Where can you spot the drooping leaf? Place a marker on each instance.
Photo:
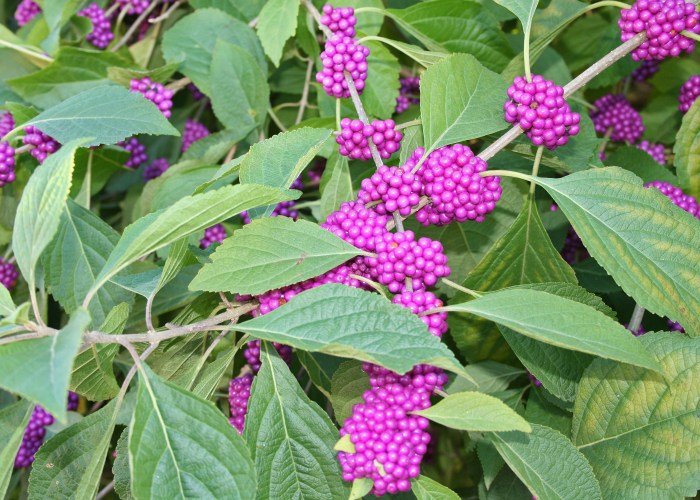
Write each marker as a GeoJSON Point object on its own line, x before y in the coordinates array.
{"type": "Point", "coordinates": [687, 151]}
{"type": "Point", "coordinates": [13, 422]}
{"type": "Point", "coordinates": [427, 489]}
{"type": "Point", "coordinates": [491, 461]}
{"type": "Point", "coordinates": [524, 9]}
{"type": "Point", "coordinates": [348, 384]}
{"type": "Point", "coordinates": [277, 22]}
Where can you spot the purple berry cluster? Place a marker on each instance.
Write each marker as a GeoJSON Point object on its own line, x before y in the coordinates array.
{"type": "Point", "coordinates": [342, 54]}
{"type": "Point", "coordinates": [418, 302]}
{"type": "Point", "coordinates": [690, 91]}
{"type": "Point", "coordinates": [251, 353]}
{"type": "Point", "coordinates": [7, 164]}
{"type": "Point", "coordinates": [44, 145]}
{"type": "Point", "coordinates": [340, 20]}
{"type": "Point", "coordinates": [193, 132]}
{"type": "Point", "coordinates": [212, 235]}
{"type": "Point", "coordinates": [26, 11]}
{"type": "Point", "coordinates": [101, 35]}
{"type": "Point", "coordinates": [137, 152]}
{"type": "Point", "coordinates": [615, 115]}
{"type": "Point", "coordinates": [7, 123]}
{"type": "Point", "coordinates": [391, 189]}
{"type": "Point", "coordinates": [8, 274]}
{"type": "Point", "coordinates": [238, 396]}
{"type": "Point", "coordinates": [197, 94]}
{"type": "Point", "coordinates": [656, 151]}
{"type": "Point", "coordinates": [154, 92]}
{"type": "Point", "coordinates": [678, 197]}
{"type": "Point", "coordinates": [645, 71]}
{"type": "Point", "coordinates": [662, 21]}
{"type": "Point", "coordinates": [409, 93]}
{"type": "Point", "coordinates": [135, 7]}
{"type": "Point", "coordinates": [354, 138]}
{"type": "Point", "coordinates": [156, 169]}
{"type": "Point", "coordinates": [541, 111]}
{"type": "Point", "coordinates": [357, 225]}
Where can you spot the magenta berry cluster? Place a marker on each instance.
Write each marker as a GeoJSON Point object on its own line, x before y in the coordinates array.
{"type": "Point", "coordinates": [7, 123]}
{"type": "Point", "coordinates": [662, 21]}
{"type": "Point", "coordinates": [238, 397]}
{"type": "Point", "coordinates": [539, 108]}
{"type": "Point", "coordinates": [677, 196]}
{"type": "Point", "coordinates": [193, 132]}
{"type": "Point", "coordinates": [645, 71]}
{"type": "Point", "coordinates": [156, 169]}
{"type": "Point", "coordinates": [252, 354]}
{"type": "Point", "coordinates": [420, 301]}
{"type": "Point", "coordinates": [409, 93]}
{"type": "Point", "coordinates": [44, 145]}
{"type": "Point", "coordinates": [7, 164]}
{"type": "Point", "coordinates": [154, 92]}
{"type": "Point", "coordinates": [101, 35]}
{"type": "Point", "coordinates": [357, 225]}
{"type": "Point", "coordinates": [8, 274]}
{"type": "Point", "coordinates": [656, 151]}
{"type": "Point", "coordinates": [690, 91]}
{"type": "Point", "coordinates": [134, 7]}
{"type": "Point", "coordinates": [342, 54]}
{"type": "Point", "coordinates": [391, 189]}
{"type": "Point", "coordinates": [137, 152]}
{"type": "Point", "coordinates": [614, 115]}
{"type": "Point", "coordinates": [355, 136]}
{"type": "Point", "coordinates": [26, 11]}
{"type": "Point", "coordinates": [212, 235]}
{"type": "Point", "coordinates": [340, 20]}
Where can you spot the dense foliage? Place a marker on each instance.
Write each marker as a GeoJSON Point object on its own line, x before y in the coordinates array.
{"type": "Point", "coordinates": [279, 249]}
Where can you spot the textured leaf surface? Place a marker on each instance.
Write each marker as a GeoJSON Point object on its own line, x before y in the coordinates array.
{"type": "Point", "coordinates": [276, 23]}
{"type": "Point", "coordinates": [475, 411]}
{"type": "Point", "coordinates": [336, 185]}
{"type": "Point", "coordinates": [629, 229]}
{"type": "Point", "coordinates": [120, 467]}
{"type": "Point", "coordinates": [271, 253]}
{"type": "Point", "coordinates": [348, 384]}
{"type": "Point", "coordinates": [427, 489]}
{"type": "Point", "coordinates": [173, 434]}
{"type": "Point", "coordinates": [290, 438]}
{"type": "Point", "coordinates": [644, 422]}
{"type": "Point", "coordinates": [687, 151]}
{"type": "Point", "coordinates": [548, 464]}
{"type": "Point", "coordinates": [487, 376]}
{"type": "Point", "coordinates": [349, 322]}
{"type": "Point", "coordinates": [49, 359]}
{"type": "Point", "coordinates": [13, 422]}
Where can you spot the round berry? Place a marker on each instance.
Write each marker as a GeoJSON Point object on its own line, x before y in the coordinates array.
{"type": "Point", "coordinates": [197, 94]}
{"type": "Point", "coordinates": [357, 225]}
{"type": "Point", "coordinates": [154, 92]}
{"type": "Point", "coordinates": [615, 115]}
{"type": "Point", "coordinates": [26, 11]}
{"type": "Point", "coordinates": [251, 353]}
{"type": "Point", "coordinates": [340, 20]}
{"type": "Point", "coordinates": [645, 71]}
{"type": "Point", "coordinates": [137, 152]}
{"type": "Point", "coordinates": [677, 196]}
{"type": "Point", "coordinates": [418, 302]}
{"type": "Point", "coordinates": [409, 93]}
{"type": "Point", "coordinates": [135, 7]}
{"type": "Point", "coordinates": [7, 164]}
{"type": "Point", "coordinates": [690, 91]}
{"type": "Point", "coordinates": [44, 145]}
{"type": "Point", "coordinates": [101, 35]}
{"type": "Point", "coordinates": [156, 169]}
{"type": "Point", "coordinates": [675, 326]}
{"type": "Point", "coordinates": [656, 151]}
{"type": "Point", "coordinates": [193, 132]}
{"type": "Point", "coordinates": [342, 54]}
{"type": "Point", "coordinates": [212, 235]}
{"type": "Point", "coordinates": [391, 189]}
{"type": "Point", "coordinates": [8, 274]}
{"type": "Point", "coordinates": [238, 396]}
{"type": "Point", "coordinates": [7, 123]}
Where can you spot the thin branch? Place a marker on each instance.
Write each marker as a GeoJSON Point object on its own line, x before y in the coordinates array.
{"type": "Point", "coordinates": [134, 27]}
{"type": "Point", "coordinates": [305, 93]}
{"type": "Point", "coordinates": [317, 16]}
{"type": "Point", "coordinates": [178, 84]}
{"type": "Point", "coordinates": [105, 491]}
{"type": "Point", "coordinates": [536, 168]}
{"type": "Point", "coordinates": [166, 14]}
{"type": "Point", "coordinates": [461, 288]}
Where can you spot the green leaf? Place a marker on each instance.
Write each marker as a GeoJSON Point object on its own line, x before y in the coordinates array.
{"type": "Point", "coordinates": [348, 384]}
{"type": "Point", "coordinates": [13, 422]}
{"type": "Point", "coordinates": [360, 488]}
{"type": "Point", "coordinates": [425, 58]}
{"type": "Point", "coordinates": [460, 100]}
{"type": "Point", "coordinates": [123, 76]}
{"type": "Point", "coordinates": [382, 85]}
{"type": "Point", "coordinates": [644, 423]}
{"type": "Point", "coordinates": [487, 376]}
{"type": "Point", "coordinates": [69, 465]}
{"type": "Point", "coordinates": [687, 151]}
{"type": "Point", "coordinates": [348, 322]}
{"type": "Point", "coordinates": [209, 378]}
{"type": "Point", "coordinates": [523, 9]}
{"type": "Point", "coordinates": [369, 23]}
{"type": "Point", "coordinates": [641, 164]}
{"type": "Point", "coordinates": [93, 376]}
{"type": "Point", "coordinates": [491, 461]}
{"type": "Point", "coordinates": [626, 228]}
{"type": "Point", "coordinates": [475, 411]}
{"type": "Point", "coordinates": [456, 26]}
{"type": "Point", "coordinates": [193, 38]}
{"type": "Point", "coordinates": [540, 411]}
{"type": "Point", "coordinates": [427, 489]}
{"type": "Point", "coordinates": [245, 10]}
{"type": "Point", "coordinates": [336, 184]}
{"type": "Point", "coordinates": [240, 94]}
{"type": "Point", "coordinates": [547, 462]}
{"type": "Point", "coordinates": [290, 438]}
{"type": "Point", "coordinates": [320, 368]}
{"type": "Point", "coordinates": [212, 148]}
{"type": "Point", "coordinates": [39, 210]}
{"type": "Point", "coordinates": [277, 22]}
{"type": "Point", "coordinates": [77, 254]}
{"type": "Point", "coordinates": [172, 434]}
{"type": "Point", "coordinates": [49, 359]}
{"type": "Point", "coordinates": [271, 253]}
{"type": "Point", "coordinates": [7, 306]}
{"type": "Point", "coordinates": [189, 215]}
{"type": "Point", "coordinates": [120, 467]}
{"type": "Point", "coordinates": [107, 114]}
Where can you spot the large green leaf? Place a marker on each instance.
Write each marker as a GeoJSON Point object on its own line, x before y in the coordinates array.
{"type": "Point", "coordinates": [348, 322]}
{"type": "Point", "coordinates": [687, 151]}
{"type": "Point", "coordinates": [277, 22]}
{"type": "Point", "coordinates": [39, 211]}
{"type": "Point", "coordinates": [240, 94]}
{"type": "Point", "coordinates": [245, 10]}
{"type": "Point", "coordinates": [336, 185]}
{"type": "Point", "coordinates": [647, 244]}
{"type": "Point", "coordinates": [69, 465]}
{"type": "Point", "coordinates": [475, 411]}
{"type": "Point", "coordinates": [348, 384]}
{"type": "Point", "coordinates": [486, 376]}
{"type": "Point", "coordinates": [427, 489]}
{"type": "Point", "coordinates": [290, 438]}
{"type": "Point", "coordinates": [460, 100]}
{"type": "Point", "coordinates": [181, 446]}
{"type": "Point", "coordinates": [640, 429]}
{"type": "Point", "coordinates": [547, 318]}
{"type": "Point", "coordinates": [271, 253]}
{"type": "Point", "coordinates": [13, 422]}
{"type": "Point", "coordinates": [49, 359]}
{"type": "Point", "coordinates": [382, 85]}
{"type": "Point", "coordinates": [524, 9]}
{"type": "Point", "coordinates": [547, 462]}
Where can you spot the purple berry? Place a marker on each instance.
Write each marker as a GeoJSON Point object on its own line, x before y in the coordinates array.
{"type": "Point", "coordinates": [73, 401]}
{"type": "Point", "coordinates": [675, 326]}
{"type": "Point", "coordinates": [156, 169]}
{"type": "Point", "coordinates": [662, 21]}
{"type": "Point", "coordinates": [101, 34]}
{"type": "Point", "coordinates": [238, 396]}
{"type": "Point", "coordinates": [251, 353]}
{"type": "Point", "coordinates": [7, 123]}
{"type": "Point", "coordinates": [193, 132]}
{"type": "Point", "coordinates": [340, 20]}
{"type": "Point", "coordinates": [418, 302]}
{"type": "Point", "coordinates": [614, 113]}
{"type": "Point", "coordinates": [391, 189]}
{"type": "Point", "coordinates": [541, 111]}
{"type": "Point", "coordinates": [677, 196]}
{"type": "Point", "coordinates": [357, 225]}
{"type": "Point", "coordinates": [656, 151]}
{"type": "Point", "coordinates": [645, 71]}
{"type": "Point", "coordinates": [451, 180]}
{"type": "Point", "coordinates": [637, 333]}
{"type": "Point", "coordinates": [573, 250]}
{"type": "Point", "coordinates": [197, 94]}
{"type": "Point", "coordinates": [43, 144]}
{"type": "Point", "coordinates": [8, 274]}
{"type": "Point", "coordinates": [26, 11]}
{"type": "Point", "coordinates": [342, 54]}
{"type": "Point", "coordinates": [535, 381]}
{"type": "Point", "coordinates": [212, 235]}
{"type": "Point", "coordinates": [408, 94]}
{"type": "Point", "coordinates": [354, 138]}
{"type": "Point", "coordinates": [154, 92]}
{"type": "Point", "coordinates": [7, 164]}
{"type": "Point", "coordinates": [138, 153]}
{"type": "Point", "coordinates": [135, 7]}
{"type": "Point", "coordinates": [690, 91]}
